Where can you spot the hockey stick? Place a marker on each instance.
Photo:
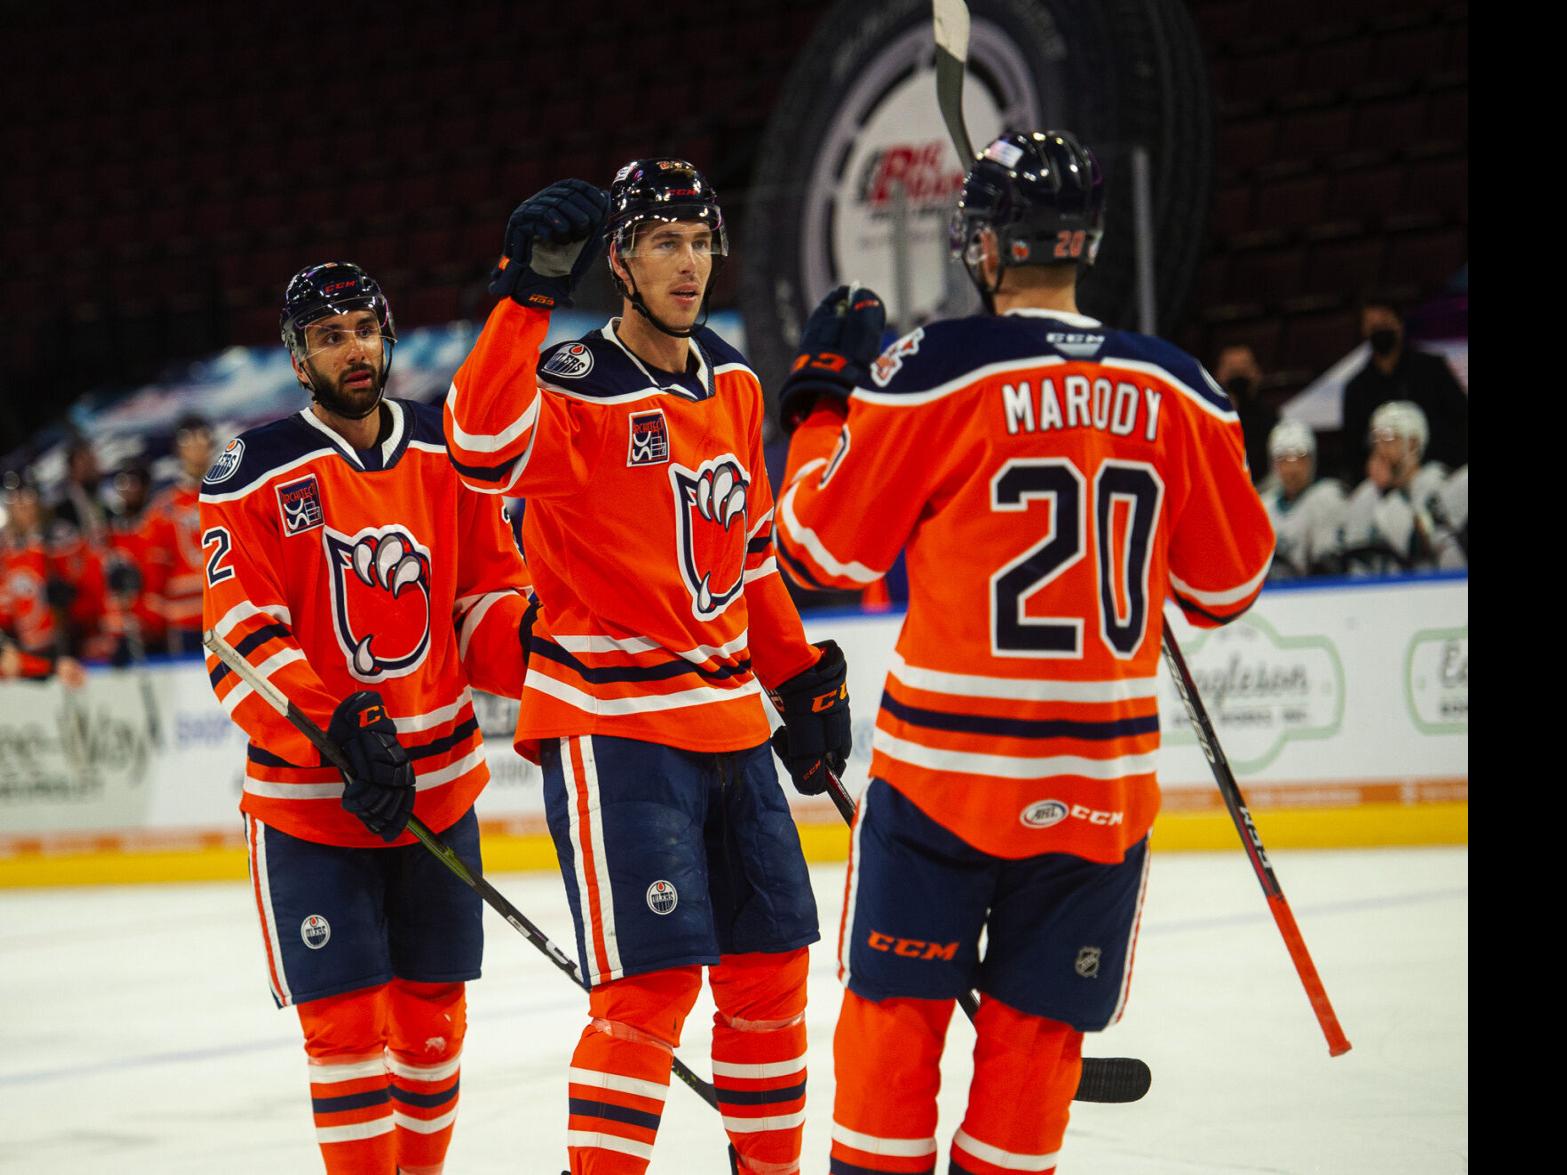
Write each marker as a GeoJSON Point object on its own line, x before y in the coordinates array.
{"type": "Point", "coordinates": [302, 722]}
{"type": "Point", "coordinates": [951, 21]}
{"type": "Point", "coordinates": [1338, 1043]}
{"type": "Point", "coordinates": [1103, 1079]}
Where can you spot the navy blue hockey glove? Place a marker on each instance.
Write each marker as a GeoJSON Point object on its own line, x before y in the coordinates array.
{"type": "Point", "coordinates": [381, 789]}
{"type": "Point", "coordinates": [551, 240]}
{"type": "Point", "coordinates": [840, 341]}
{"type": "Point", "coordinates": [816, 736]}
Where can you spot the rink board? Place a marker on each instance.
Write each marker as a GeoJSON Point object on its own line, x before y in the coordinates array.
{"type": "Point", "coordinates": [1343, 710]}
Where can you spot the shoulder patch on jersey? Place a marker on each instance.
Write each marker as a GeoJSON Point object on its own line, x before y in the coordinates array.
{"type": "Point", "coordinates": [890, 360]}
{"type": "Point", "coordinates": [227, 464]}
{"type": "Point", "coordinates": [572, 361]}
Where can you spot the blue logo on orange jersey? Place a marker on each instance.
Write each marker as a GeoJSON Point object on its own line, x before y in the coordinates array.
{"type": "Point", "coordinates": [380, 581]}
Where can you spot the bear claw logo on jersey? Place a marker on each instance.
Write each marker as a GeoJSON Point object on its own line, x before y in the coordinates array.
{"type": "Point", "coordinates": [380, 600]}
{"type": "Point", "coordinates": [662, 897]}
{"type": "Point", "coordinates": [315, 931]}
{"type": "Point", "coordinates": [710, 518]}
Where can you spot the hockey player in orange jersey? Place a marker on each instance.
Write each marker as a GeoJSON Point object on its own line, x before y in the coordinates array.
{"type": "Point", "coordinates": [346, 562]}
{"type": "Point", "coordinates": [1052, 480]}
{"type": "Point", "coordinates": [649, 535]}
{"type": "Point", "coordinates": [172, 534]}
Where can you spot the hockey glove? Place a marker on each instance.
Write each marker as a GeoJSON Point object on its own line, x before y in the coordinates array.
{"type": "Point", "coordinates": [551, 240]}
{"type": "Point", "coordinates": [840, 341]}
{"type": "Point", "coordinates": [381, 789]}
{"type": "Point", "coordinates": [816, 736]}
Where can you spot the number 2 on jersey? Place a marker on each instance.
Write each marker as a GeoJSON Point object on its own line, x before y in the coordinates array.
{"type": "Point", "coordinates": [217, 572]}
{"type": "Point", "coordinates": [1130, 491]}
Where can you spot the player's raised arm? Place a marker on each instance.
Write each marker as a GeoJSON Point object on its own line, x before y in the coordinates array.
{"type": "Point", "coordinates": [850, 495]}
{"type": "Point", "coordinates": [243, 601]}
{"type": "Point", "coordinates": [504, 434]}
{"type": "Point", "coordinates": [493, 613]}
{"type": "Point", "coordinates": [1222, 543]}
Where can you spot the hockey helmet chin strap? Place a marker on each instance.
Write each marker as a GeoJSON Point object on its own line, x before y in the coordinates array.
{"type": "Point", "coordinates": [628, 287]}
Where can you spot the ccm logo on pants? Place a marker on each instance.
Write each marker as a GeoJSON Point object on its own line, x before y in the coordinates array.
{"type": "Point", "coordinates": [911, 948]}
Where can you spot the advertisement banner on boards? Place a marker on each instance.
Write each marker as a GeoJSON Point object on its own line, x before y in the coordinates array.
{"type": "Point", "coordinates": [1321, 697]}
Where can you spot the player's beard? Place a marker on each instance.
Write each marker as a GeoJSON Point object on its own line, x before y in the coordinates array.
{"type": "Point", "coordinates": [352, 403]}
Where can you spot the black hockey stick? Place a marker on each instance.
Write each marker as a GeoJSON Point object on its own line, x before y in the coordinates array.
{"type": "Point", "coordinates": [302, 722]}
{"type": "Point", "coordinates": [1251, 839]}
{"type": "Point", "coordinates": [1103, 1079]}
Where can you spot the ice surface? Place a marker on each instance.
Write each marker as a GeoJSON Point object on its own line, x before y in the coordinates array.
{"type": "Point", "coordinates": [139, 1036]}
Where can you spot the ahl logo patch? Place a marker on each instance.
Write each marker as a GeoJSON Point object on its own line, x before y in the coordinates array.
{"type": "Point", "coordinates": [1044, 814]}
{"type": "Point", "coordinates": [649, 439]}
{"type": "Point", "coordinates": [662, 898]}
{"type": "Point", "coordinates": [227, 463]}
{"type": "Point", "coordinates": [315, 931]}
{"type": "Point", "coordinates": [570, 362]}
{"type": "Point", "coordinates": [299, 502]}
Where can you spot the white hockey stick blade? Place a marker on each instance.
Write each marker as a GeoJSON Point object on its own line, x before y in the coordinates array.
{"type": "Point", "coordinates": [952, 22]}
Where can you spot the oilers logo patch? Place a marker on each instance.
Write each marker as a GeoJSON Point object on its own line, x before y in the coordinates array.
{"type": "Point", "coordinates": [649, 443]}
{"type": "Point", "coordinates": [299, 503]}
{"type": "Point", "coordinates": [1044, 814]}
{"type": "Point", "coordinates": [316, 931]}
{"type": "Point", "coordinates": [227, 463]}
{"type": "Point", "coordinates": [1087, 964]}
{"type": "Point", "coordinates": [662, 897]}
{"type": "Point", "coordinates": [570, 362]}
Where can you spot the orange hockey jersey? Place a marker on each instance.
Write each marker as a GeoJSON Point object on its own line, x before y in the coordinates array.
{"type": "Point", "coordinates": [1052, 481]}
{"type": "Point", "coordinates": [648, 530]}
{"type": "Point", "coordinates": [172, 531]}
{"type": "Point", "coordinates": [332, 571]}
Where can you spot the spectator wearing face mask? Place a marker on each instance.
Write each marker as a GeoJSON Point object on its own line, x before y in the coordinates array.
{"type": "Point", "coordinates": [1396, 371]}
{"type": "Point", "coordinates": [1397, 519]}
{"type": "Point", "coordinates": [1238, 373]}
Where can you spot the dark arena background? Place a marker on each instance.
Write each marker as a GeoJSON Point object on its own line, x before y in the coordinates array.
{"type": "Point", "coordinates": [1288, 192]}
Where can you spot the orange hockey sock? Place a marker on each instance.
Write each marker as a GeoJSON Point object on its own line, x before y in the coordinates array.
{"type": "Point", "coordinates": [345, 1039]}
{"type": "Point", "coordinates": [1025, 1073]}
{"type": "Point", "coordinates": [426, 1026]}
{"type": "Point", "coordinates": [759, 1057]}
{"type": "Point", "coordinates": [887, 1057]}
{"type": "Point", "coordinates": [620, 1069]}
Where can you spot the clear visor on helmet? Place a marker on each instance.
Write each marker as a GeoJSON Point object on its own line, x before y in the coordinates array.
{"type": "Point", "coordinates": [355, 323]}
{"type": "Point", "coordinates": [655, 235]}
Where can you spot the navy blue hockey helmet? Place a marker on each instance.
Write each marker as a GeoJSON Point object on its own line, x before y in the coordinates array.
{"type": "Point", "coordinates": [661, 190]}
{"type": "Point", "coordinates": [320, 291]}
{"type": "Point", "coordinates": [1043, 196]}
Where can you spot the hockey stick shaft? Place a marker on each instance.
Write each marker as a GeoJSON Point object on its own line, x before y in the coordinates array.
{"type": "Point", "coordinates": [1251, 840]}
{"type": "Point", "coordinates": [1103, 1079]}
{"type": "Point", "coordinates": [306, 726]}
